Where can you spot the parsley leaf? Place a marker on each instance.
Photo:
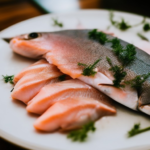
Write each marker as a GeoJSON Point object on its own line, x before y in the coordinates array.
{"type": "Point", "coordinates": [146, 27]}
{"type": "Point", "coordinates": [12, 89]}
{"type": "Point", "coordinates": [98, 36]}
{"type": "Point", "coordinates": [8, 79]}
{"type": "Point", "coordinates": [81, 134]}
{"type": "Point", "coordinates": [142, 37]}
{"type": "Point", "coordinates": [56, 23]}
{"type": "Point", "coordinates": [119, 73]}
{"type": "Point", "coordinates": [89, 70]}
{"type": "Point", "coordinates": [136, 130]}
{"type": "Point", "coordinates": [122, 25]}
{"type": "Point", "coordinates": [62, 77]}
{"type": "Point", "coordinates": [138, 81]}
{"type": "Point", "coordinates": [125, 55]}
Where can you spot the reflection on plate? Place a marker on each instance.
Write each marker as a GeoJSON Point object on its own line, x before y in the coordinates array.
{"type": "Point", "coordinates": [16, 124]}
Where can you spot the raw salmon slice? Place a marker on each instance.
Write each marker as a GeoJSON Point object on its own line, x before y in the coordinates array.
{"type": "Point", "coordinates": [52, 93]}
{"type": "Point", "coordinates": [36, 67]}
{"type": "Point", "coordinates": [72, 113]}
{"type": "Point", "coordinates": [30, 84]}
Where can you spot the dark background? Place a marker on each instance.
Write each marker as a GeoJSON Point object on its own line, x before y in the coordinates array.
{"type": "Point", "coordinates": [14, 11]}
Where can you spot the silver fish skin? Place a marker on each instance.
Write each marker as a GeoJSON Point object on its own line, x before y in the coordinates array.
{"type": "Point", "coordinates": [67, 48]}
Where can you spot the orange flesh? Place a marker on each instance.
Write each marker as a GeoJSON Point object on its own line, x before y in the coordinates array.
{"type": "Point", "coordinates": [52, 93]}
{"type": "Point", "coordinates": [31, 83]}
{"type": "Point", "coordinates": [71, 114]}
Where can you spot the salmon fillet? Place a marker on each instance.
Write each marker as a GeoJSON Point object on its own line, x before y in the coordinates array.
{"type": "Point", "coordinates": [52, 93]}
{"type": "Point", "coordinates": [36, 67]}
{"type": "Point", "coordinates": [32, 80]}
{"type": "Point", "coordinates": [72, 113]}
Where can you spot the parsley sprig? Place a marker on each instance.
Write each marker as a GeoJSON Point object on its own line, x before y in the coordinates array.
{"type": "Point", "coordinates": [8, 79]}
{"type": "Point", "coordinates": [98, 36]}
{"type": "Point", "coordinates": [137, 130]}
{"type": "Point", "coordinates": [89, 70]}
{"type": "Point", "coordinates": [146, 27]}
{"type": "Point", "coordinates": [119, 73]}
{"type": "Point", "coordinates": [122, 25]}
{"type": "Point", "coordinates": [142, 37]}
{"type": "Point", "coordinates": [62, 77]}
{"type": "Point", "coordinates": [126, 55]}
{"type": "Point", "coordinates": [82, 134]}
{"type": "Point", "coordinates": [138, 81]}
{"type": "Point", "coordinates": [56, 23]}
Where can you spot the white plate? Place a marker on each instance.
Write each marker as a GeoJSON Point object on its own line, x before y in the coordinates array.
{"type": "Point", "coordinates": [16, 125]}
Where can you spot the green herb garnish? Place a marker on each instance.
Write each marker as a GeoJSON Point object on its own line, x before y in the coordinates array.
{"type": "Point", "coordinates": [122, 25]}
{"type": "Point", "coordinates": [62, 77]}
{"type": "Point", "coordinates": [98, 36]}
{"type": "Point", "coordinates": [138, 81]}
{"type": "Point", "coordinates": [89, 70]}
{"type": "Point", "coordinates": [81, 134]}
{"type": "Point", "coordinates": [115, 43]}
{"type": "Point", "coordinates": [12, 89]}
{"type": "Point", "coordinates": [119, 73]}
{"type": "Point", "coordinates": [146, 27]}
{"type": "Point", "coordinates": [142, 37]}
{"type": "Point", "coordinates": [8, 79]}
{"type": "Point", "coordinates": [56, 23]}
{"type": "Point", "coordinates": [136, 130]}
{"type": "Point", "coordinates": [125, 55]}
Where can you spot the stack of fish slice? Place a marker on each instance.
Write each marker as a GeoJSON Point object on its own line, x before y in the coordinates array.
{"type": "Point", "coordinates": [65, 105]}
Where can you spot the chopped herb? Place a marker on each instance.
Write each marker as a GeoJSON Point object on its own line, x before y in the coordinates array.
{"type": "Point", "coordinates": [8, 79]}
{"type": "Point", "coordinates": [62, 77]}
{"type": "Point", "coordinates": [119, 73]}
{"type": "Point", "coordinates": [98, 36]}
{"type": "Point", "coordinates": [81, 134]}
{"type": "Point", "coordinates": [89, 70]}
{"type": "Point", "coordinates": [142, 37]}
{"type": "Point", "coordinates": [122, 25]}
{"type": "Point", "coordinates": [125, 55]}
{"type": "Point", "coordinates": [136, 130]}
{"type": "Point", "coordinates": [12, 89]}
{"type": "Point", "coordinates": [146, 27]}
{"type": "Point", "coordinates": [115, 43]}
{"type": "Point", "coordinates": [138, 81]}
{"type": "Point", "coordinates": [56, 23]}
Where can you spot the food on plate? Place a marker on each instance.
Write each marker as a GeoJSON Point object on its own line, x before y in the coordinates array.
{"type": "Point", "coordinates": [72, 113]}
{"type": "Point", "coordinates": [31, 80]}
{"type": "Point", "coordinates": [61, 101]}
{"type": "Point", "coordinates": [66, 49]}
{"type": "Point", "coordinates": [69, 89]}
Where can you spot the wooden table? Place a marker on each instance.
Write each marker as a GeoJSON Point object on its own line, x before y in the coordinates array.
{"type": "Point", "coordinates": [14, 11]}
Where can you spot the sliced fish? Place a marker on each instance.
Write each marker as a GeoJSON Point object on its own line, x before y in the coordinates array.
{"type": "Point", "coordinates": [72, 113]}
{"type": "Point", "coordinates": [52, 93]}
{"type": "Point", "coordinates": [31, 83]}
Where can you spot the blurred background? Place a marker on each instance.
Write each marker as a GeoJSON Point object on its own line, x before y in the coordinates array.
{"type": "Point", "coordinates": [14, 11]}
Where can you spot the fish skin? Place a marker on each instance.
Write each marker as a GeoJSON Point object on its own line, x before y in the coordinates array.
{"type": "Point", "coordinates": [52, 93]}
{"type": "Point", "coordinates": [73, 46]}
{"type": "Point", "coordinates": [72, 113]}
{"type": "Point", "coordinates": [32, 80]}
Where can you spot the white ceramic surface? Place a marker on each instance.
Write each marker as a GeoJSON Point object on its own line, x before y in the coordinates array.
{"type": "Point", "coordinates": [16, 125]}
